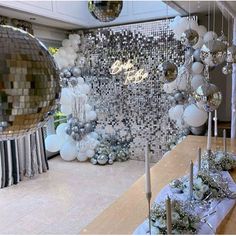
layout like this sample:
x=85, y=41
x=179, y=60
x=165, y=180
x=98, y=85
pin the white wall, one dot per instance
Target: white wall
x=76, y=15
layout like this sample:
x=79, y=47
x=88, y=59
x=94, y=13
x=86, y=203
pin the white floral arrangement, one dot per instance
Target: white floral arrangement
x=183, y=221
x=206, y=185
x=219, y=160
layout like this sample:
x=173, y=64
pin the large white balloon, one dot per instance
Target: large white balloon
x=68, y=151
x=91, y=115
x=201, y=30
x=53, y=143
x=90, y=153
x=197, y=81
x=197, y=67
x=66, y=109
x=171, y=113
x=193, y=116
x=61, y=129
x=210, y=35
x=66, y=96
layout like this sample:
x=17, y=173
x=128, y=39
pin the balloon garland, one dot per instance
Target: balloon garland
x=191, y=94
x=77, y=138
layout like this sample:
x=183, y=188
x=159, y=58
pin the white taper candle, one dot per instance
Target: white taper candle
x=224, y=141
x=215, y=124
x=209, y=132
x=191, y=181
x=168, y=216
x=199, y=158
x=147, y=169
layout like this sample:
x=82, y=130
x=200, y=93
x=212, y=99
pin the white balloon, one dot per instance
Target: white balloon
x=201, y=30
x=61, y=129
x=197, y=67
x=197, y=81
x=88, y=107
x=90, y=153
x=91, y=115
x=80, y=80
x=171, y=113
x=170, y=87
x=82, y=156
x=210, y=35
x=193, y=116
x=53, y=143
x=178, y=111
x=193, y=24
x=68, y=151
x=93, y=135
x=66, y=96
x=66, y=109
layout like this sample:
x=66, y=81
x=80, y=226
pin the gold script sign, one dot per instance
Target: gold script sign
x=132, y=75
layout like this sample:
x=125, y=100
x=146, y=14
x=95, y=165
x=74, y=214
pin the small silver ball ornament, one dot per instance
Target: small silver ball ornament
x=227, y=69
x=102, y=159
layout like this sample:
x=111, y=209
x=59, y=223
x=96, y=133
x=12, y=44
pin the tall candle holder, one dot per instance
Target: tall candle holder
x=148, y=184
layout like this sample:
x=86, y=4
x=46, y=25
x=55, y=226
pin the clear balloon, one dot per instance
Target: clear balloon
x=197, y=80
x=197, y=67
x=189, y=37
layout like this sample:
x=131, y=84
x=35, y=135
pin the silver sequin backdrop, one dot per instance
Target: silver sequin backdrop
x=140, y=108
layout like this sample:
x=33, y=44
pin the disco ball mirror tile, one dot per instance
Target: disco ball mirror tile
x=29, y=83
x=141, y=107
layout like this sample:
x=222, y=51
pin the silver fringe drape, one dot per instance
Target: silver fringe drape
x=23, y=157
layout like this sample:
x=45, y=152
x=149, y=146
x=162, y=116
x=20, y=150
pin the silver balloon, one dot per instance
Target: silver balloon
x=189, y=37
x=231, y=54
x=196, y=55
x=208, y=97
x=179, y=97
x=213, y=53
x=227, y=69
x=29, y=83
x=88, y=127
x=67, y=74
x=73, y=81
x=102, y=159
x=76, y=71
x=169, y=71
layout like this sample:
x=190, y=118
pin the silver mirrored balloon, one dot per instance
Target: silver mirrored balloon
x=29, y=83
x=102, y=159
x=168, y=71
x=231, y=54
x=213, y=53
x=227, y=69
x=189, y=37
x=76, y=71
x=208, y=97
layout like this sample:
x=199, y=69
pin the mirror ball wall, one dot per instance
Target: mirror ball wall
x=140, y=109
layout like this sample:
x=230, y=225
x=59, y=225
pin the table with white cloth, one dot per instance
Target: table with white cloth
x=130, y=210
x=22, y=157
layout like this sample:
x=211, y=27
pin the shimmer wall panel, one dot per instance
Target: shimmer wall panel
x=138, y=108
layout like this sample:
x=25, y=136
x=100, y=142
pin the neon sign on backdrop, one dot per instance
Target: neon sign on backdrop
x=132, y=75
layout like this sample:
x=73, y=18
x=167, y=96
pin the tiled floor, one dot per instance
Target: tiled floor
x=66, y=198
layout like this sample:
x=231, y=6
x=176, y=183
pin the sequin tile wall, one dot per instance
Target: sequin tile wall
x=141, y=108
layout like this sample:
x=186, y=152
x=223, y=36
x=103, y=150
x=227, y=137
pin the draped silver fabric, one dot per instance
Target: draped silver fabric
x=23, y=157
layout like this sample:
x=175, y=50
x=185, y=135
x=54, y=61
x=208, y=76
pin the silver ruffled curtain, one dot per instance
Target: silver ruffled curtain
x=23, y=157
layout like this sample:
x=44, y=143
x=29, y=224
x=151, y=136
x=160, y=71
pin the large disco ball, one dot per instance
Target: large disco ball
x=105, y=11
x=29, y=83
x=213, y=53
x=208, y=97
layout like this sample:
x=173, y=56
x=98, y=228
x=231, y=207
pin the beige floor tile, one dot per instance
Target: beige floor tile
x=64, y=199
